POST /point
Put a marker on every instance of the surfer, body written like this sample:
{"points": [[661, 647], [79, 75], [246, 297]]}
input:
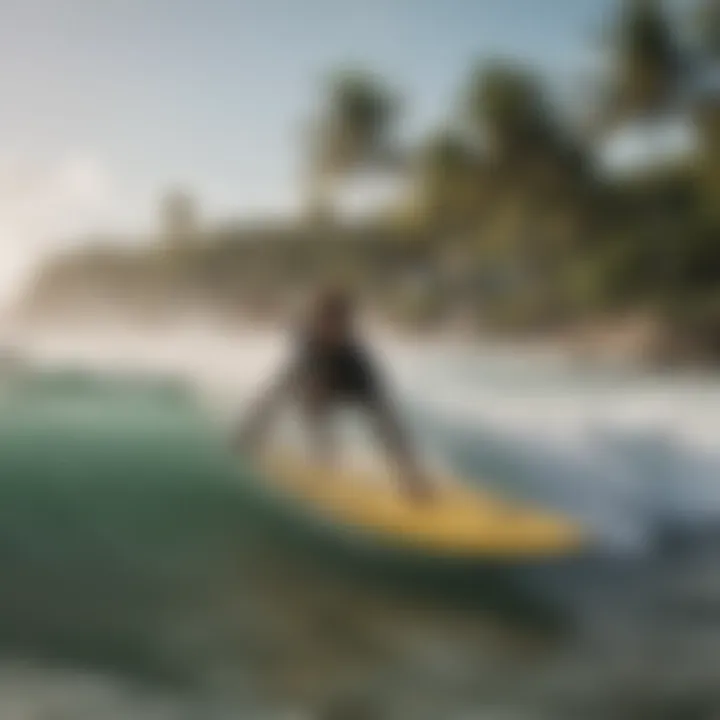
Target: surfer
{"points": [[331, 368]]}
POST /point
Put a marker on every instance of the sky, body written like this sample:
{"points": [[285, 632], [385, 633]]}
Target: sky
{"points": [[106, 103]]}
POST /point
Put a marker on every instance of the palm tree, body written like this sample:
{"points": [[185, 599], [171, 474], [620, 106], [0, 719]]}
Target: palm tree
{"points": [[647, 68], [351, 132], [707, 28], [706, 116], [179, 217], [448, 178], [506, 110], [540, 173]]}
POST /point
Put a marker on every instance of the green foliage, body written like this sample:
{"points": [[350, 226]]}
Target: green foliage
{"points": [[707, 27], [449, 177], [352, 130], [648, 63], [353, 127], [707, 123], [506, 108], [506, 217]]}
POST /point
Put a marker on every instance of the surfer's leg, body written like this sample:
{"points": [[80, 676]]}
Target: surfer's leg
{"points": [[317, 416]]}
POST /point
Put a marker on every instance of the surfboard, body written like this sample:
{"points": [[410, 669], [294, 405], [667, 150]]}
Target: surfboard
{"points": [[460, 519]]}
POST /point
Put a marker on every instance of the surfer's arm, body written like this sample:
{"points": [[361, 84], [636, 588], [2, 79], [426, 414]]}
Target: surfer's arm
{"points": [[255, 425]]}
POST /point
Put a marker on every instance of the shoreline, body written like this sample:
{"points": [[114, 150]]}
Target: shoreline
{"points": [[632, 342]]}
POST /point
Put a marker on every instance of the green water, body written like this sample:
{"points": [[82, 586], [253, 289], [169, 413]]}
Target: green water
{"points": [[146, 575], [111, 503], [132, 544]]}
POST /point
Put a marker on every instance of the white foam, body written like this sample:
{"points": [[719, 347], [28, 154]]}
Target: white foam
{"points": [[624, 451]]}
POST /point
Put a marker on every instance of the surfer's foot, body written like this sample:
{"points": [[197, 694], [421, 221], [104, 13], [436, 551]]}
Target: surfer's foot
{"points": [[418, 490]]}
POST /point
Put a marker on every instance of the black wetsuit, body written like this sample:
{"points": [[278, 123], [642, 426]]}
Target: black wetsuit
{"points": [[324, 376], [338, 373]]}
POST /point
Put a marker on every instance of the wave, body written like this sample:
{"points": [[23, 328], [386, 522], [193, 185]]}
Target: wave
{"points": [[630, 453], [128, 549]]}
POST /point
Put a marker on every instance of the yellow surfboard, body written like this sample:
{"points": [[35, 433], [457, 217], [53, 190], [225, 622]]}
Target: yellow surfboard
{"points": [[459, 520]]}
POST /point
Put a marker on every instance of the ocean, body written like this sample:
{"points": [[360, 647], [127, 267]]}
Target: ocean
{"points": [[141, 577]]}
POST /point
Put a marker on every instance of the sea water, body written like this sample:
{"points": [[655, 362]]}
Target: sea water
{"points": [[137, 584]]}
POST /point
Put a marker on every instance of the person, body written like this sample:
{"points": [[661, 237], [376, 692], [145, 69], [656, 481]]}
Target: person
{"points": [[330, 368]]}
